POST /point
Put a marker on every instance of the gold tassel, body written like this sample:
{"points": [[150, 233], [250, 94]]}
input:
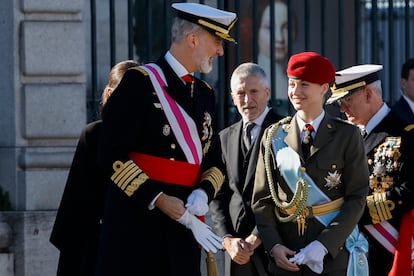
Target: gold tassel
{"points": [[211, 264]]}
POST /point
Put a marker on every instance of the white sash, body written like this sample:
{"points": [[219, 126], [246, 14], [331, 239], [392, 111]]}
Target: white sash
{"points": [[182, 125]]}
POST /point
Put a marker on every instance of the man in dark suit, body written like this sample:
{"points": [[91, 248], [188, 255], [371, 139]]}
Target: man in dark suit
{"points": [[311, 180], [157, 126], [404, 108], [389, 146], [230, 209]]}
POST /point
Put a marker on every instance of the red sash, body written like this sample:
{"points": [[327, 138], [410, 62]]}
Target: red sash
{"points": [[168, 171], [403, 251]]}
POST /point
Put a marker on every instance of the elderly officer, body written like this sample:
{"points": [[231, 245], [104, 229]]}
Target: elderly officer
{"points": [[156, 131], [389, 146], [307, 196]]}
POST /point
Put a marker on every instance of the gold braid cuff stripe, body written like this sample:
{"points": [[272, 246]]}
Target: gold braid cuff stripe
{"points": [[379, 207], [215, 177], [128, 176]]}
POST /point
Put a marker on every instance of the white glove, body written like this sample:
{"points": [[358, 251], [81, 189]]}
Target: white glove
{"points": [[197, 203], [201, 231], [312, 256]]}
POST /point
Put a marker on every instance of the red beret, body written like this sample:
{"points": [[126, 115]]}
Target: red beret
{"points": [[311, 67]]}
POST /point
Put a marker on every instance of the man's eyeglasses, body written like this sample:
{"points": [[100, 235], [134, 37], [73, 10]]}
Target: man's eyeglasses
{"points": [[348, 98]]}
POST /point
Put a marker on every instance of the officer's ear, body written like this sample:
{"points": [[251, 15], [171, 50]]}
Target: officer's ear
{"points": [[192, 39]]}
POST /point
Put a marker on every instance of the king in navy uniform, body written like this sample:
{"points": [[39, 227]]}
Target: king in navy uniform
{"points": [[157, 129]]}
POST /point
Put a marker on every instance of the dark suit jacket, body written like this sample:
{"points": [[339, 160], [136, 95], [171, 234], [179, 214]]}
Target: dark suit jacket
{"points": [[380, 260], [337, 146], [77, 225], [136, 240], [403, 110], [230, 210]]}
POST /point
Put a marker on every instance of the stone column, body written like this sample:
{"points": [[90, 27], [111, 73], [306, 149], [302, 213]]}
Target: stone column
{"points": [[42, 111]]}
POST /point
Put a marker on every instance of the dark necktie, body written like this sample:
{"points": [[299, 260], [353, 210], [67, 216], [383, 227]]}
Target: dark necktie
{"points": [[307, 140], [247, 138]]}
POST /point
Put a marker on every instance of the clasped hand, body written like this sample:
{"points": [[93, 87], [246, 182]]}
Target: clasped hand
{"points": [[239, 250]]}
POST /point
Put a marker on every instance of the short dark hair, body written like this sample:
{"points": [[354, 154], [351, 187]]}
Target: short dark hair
{"points": [[407, 66]]}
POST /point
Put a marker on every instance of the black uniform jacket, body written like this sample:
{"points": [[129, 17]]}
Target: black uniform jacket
{"points": [[77, 225], [401, 193], [403, 110], [134, 238]]}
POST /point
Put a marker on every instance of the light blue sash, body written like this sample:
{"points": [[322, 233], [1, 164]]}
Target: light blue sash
{"points": [[288, 162], [357, 246]]}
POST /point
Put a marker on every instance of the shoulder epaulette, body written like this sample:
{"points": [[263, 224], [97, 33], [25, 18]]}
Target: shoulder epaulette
{"points": [[208, 85], [139, 69], [409, 127]]}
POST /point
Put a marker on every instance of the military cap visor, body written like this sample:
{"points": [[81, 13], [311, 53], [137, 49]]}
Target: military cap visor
{"points": [[216, 21], [349, 80]]}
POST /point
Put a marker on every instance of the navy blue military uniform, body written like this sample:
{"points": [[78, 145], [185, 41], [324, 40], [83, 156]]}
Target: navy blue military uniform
{"points": [[381, 260], [135, 122]]}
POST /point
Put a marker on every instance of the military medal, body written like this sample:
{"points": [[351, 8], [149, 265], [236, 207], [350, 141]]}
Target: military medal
{"points": [[333, 179]]}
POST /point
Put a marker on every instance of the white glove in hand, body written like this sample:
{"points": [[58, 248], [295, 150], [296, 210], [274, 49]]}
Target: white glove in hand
{"points": [[312, 256], [197, 202], [202, 232]]}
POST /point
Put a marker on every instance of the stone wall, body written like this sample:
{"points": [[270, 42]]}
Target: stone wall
{"points": [[42, 111]]}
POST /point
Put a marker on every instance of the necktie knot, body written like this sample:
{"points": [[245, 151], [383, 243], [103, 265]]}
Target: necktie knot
{"points": [[188, 78]]}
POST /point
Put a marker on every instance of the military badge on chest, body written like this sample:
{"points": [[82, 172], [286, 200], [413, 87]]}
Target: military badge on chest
{"points": [[207, 132], [333, 179], [384, 166]]}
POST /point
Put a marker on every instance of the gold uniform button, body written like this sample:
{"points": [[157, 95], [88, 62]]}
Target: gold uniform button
{"points": [[173, 146], [172, 159]]}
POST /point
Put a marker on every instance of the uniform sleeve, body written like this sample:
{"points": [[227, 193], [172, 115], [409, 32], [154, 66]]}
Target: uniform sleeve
{"points": [[355, 181], [262, 203], [123, 133]]}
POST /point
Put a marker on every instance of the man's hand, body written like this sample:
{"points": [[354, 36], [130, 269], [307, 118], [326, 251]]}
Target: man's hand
{"points": [[197, 202], [280, 254], [170, 205], [238, 249], [254, 241]]}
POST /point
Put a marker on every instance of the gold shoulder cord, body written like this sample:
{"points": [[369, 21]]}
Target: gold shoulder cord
{"points": [[300, 195]]}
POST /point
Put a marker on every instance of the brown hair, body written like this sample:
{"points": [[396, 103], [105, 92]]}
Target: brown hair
{"points": [[115, 76]]}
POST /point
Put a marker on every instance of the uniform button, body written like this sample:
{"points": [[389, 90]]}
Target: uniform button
{"points": [[172, 159], [173, 146], [341, 248]]}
